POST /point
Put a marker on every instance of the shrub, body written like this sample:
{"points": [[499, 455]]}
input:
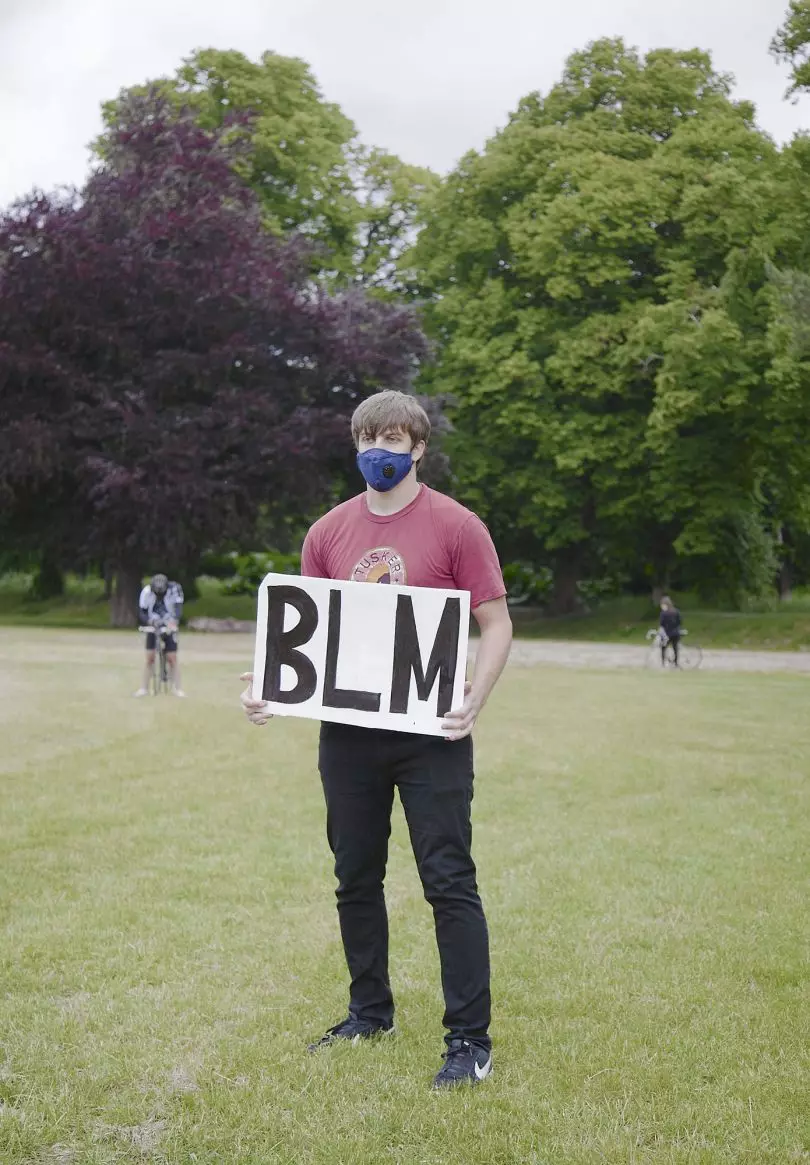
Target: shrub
{"points": [[527, 584], [248, 570]]}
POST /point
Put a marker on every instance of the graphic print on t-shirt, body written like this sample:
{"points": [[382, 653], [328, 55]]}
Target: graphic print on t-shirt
{"points": [[380, 565]]}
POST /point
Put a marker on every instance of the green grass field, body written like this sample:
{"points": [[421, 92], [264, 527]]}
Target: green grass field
{"points": [[169, 941], [626, 620], [622, 620]]}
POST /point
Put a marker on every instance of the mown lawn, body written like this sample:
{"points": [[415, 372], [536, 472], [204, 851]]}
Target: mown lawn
{"points": [[622, 620], [626, 620], [169, 942]]}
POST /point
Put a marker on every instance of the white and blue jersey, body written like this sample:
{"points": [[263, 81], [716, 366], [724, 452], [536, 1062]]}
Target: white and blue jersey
{"points": [[153, 610]]}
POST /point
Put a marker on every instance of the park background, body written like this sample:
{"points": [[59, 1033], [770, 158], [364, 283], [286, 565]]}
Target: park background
{"points": [[606, 309]]}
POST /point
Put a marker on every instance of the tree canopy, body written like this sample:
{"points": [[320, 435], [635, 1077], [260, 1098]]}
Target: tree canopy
{"points": [[791, 44], [313, 177], [598, 293], [616, 290], [168, 367]]}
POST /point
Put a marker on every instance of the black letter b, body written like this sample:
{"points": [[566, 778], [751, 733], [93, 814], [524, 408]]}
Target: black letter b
{"points": [[281, 645]]}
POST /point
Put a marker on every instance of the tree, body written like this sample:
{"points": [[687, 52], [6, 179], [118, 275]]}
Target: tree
{"points": [[302, 157], [788, 377], [167, 367], [791, 45], [294, 153], [596, 287], [389, 196]]}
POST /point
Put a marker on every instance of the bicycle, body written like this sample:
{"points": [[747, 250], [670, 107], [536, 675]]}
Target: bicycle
{"points": [[159, 678], [661, 653]]}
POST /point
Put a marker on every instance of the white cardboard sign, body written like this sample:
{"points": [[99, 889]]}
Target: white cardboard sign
{"points": [[361, 653]]}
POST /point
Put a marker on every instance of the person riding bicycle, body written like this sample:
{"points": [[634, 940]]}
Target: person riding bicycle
{"points": [[670, 628], [161, 605]]}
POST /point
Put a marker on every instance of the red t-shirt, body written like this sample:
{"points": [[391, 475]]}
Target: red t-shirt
{"points": [[432, 542]]}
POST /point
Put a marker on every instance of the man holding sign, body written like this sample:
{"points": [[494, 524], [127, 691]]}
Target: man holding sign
{"points": [[403, 534]]}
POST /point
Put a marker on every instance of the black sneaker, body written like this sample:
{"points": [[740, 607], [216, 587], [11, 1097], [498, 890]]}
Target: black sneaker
{"points": [[463, 1061], [353, 1030]]}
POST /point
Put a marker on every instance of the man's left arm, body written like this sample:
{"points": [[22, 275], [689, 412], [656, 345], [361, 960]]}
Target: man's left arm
{"points": [[495, 624]]}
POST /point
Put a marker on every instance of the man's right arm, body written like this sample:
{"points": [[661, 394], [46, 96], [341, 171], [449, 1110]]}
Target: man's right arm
{"points": [[312, 558]]}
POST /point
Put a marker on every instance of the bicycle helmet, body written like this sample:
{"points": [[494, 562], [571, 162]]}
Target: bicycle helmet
{"points": [[160, 584]]}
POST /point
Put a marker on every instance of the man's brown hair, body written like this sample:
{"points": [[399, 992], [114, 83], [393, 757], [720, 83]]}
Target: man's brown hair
{"points": [[390, 410]]}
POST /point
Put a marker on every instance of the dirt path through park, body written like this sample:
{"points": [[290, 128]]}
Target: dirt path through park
{"points": [[529, 652]]}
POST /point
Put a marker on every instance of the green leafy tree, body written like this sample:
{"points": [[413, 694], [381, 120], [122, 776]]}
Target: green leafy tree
{"points": [[304, 161], [597, 290], [788, 401], [786, 415], [791, 45], [167, 367], [296, 159], [389, 198]]}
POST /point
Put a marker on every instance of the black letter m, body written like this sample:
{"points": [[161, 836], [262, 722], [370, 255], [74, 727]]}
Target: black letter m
{"points": [[407, 658]]}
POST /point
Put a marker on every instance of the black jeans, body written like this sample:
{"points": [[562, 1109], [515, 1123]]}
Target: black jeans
{"points": [[674, 642], [360, 769]]}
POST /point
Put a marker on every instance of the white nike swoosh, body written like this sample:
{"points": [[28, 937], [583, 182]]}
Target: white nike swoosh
{"points": [[482, 1072]]}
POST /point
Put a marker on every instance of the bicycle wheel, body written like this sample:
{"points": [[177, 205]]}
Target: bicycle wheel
{"points": [[154, 676], [691, 657], [164, 674]]}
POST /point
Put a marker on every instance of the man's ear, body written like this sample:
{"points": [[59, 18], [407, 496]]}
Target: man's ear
{"points": [[418, 451]]}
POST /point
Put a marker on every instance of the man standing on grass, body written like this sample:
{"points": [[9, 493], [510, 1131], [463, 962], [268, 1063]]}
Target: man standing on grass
{"points": [[401, 532]]}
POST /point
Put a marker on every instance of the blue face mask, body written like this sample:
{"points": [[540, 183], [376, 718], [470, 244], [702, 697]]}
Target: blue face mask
{"points": [[383, 470]]}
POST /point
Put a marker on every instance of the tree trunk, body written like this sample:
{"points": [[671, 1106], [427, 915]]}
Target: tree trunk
{"points": [[565, 598], [124, 602], [660, 541], [784, 579], [785, 582], [658, 592], [49, 582]]}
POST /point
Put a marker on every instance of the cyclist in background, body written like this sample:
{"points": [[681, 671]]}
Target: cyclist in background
{"points": [[670, 625], [161, 605]]}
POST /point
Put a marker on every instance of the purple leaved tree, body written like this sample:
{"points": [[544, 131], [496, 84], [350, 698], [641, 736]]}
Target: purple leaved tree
{"points": [[168, 368]]}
